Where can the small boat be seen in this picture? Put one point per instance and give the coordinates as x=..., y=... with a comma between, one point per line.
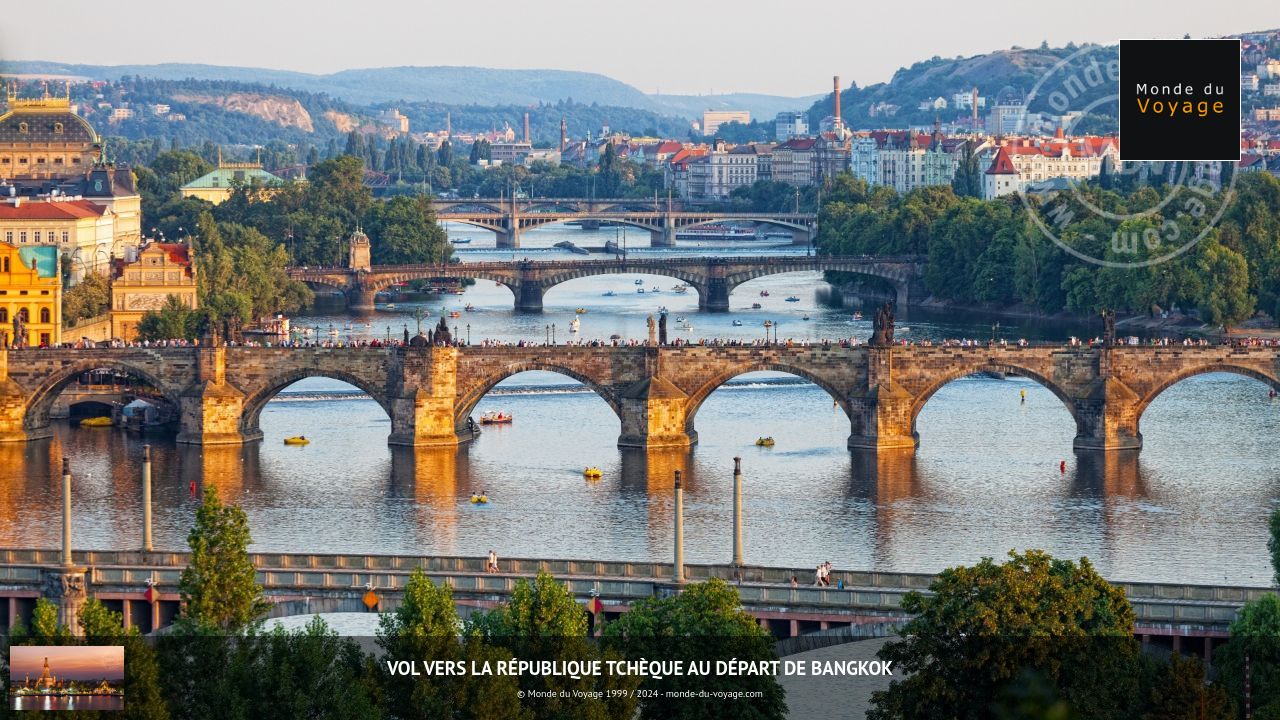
x=454, y=314
x=682, y=289
x=479, y=499
x=764, y=293
x=609, y=293
x=793, y=298
x=662, y=309
x=654, y=289
x=592, y=473
x=297, y=440
x=470, y=308
x=857, y=316
x=768, y=323
x=496, y=417
x=639, y=281
x=680, y=318
x=765, y=441
x=806, y=317
x=581, y=311
x=640, y=291
x=574, y=325
x=96, y=422
x=460, y=241
x=737, y=323
x=904, y=328
x=687, y=326
x=391, y=306
x=755, y=306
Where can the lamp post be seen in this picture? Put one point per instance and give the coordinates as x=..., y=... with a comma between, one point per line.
x=677, y=567
x=738, y=554
x=468, y=333
x=553, y=333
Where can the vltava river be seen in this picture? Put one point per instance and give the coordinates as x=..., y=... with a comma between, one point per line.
x=1191, y=508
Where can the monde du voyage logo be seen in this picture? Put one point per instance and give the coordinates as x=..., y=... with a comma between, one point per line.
x=1179, y=111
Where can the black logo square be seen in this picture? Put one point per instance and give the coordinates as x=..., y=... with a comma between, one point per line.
x=1180, y=100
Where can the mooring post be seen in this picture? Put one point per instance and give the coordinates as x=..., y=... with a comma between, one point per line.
x=146, y=499
x=66, y=512
x=737, y=513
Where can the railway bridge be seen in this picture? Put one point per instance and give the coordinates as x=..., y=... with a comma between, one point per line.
x=430, y=392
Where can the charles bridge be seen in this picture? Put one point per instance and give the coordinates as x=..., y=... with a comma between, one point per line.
x=430, y=392
x=508, y=217
x=714, y=278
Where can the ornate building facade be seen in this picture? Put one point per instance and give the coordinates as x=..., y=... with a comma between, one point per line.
x=30, y=296
x=146, y=282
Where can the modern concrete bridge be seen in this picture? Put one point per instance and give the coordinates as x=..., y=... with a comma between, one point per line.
x=656, y=392
x=869, y=603
x=509, y=217
x=712, y=277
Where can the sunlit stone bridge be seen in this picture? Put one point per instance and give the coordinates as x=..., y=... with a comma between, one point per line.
x=713, y=278
x=509, y=217
x=429, y=392
x=856, y=604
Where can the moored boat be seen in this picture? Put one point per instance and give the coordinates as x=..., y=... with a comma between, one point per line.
x=496, y=417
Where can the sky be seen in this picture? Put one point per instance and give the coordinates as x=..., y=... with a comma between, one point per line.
x=73, y=662
x=671, y=46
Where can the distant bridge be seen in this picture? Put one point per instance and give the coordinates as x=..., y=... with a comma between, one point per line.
x=507, y=218
x=713, y=278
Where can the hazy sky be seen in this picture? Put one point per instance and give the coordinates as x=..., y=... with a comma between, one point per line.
x=681, y=46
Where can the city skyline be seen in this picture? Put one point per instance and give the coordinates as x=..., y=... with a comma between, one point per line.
x=878, y=41
x=81, y=663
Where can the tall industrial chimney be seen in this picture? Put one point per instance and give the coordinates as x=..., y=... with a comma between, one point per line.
x=526, y=127
x=564, y=135
x=974, y=101
x=835, y=82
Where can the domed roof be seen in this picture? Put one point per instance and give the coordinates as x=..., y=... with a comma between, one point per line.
x=44, y=121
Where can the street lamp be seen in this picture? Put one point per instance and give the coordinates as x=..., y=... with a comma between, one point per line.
x=468, y=333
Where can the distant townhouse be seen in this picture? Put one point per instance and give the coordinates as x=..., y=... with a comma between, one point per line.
x=793, y=162
x=1249, y=82
x=713, y=119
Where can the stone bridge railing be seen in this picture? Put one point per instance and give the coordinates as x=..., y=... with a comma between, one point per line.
x=656, y=392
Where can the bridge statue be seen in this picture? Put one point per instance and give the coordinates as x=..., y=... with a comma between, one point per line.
x=662, y=329
x=882, y=326
x=653, y=331
x=1108, y=328
x=442, y=334
x=19, y=330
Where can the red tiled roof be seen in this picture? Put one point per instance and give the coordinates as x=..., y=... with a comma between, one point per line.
x=49, y=210
x=1001, y=164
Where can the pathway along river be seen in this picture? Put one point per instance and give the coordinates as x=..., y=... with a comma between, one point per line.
x=1191, y=508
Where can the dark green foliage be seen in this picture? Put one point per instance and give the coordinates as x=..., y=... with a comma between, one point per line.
x=219, y=586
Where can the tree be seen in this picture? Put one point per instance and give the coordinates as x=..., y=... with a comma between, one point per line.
x=542, y=621
x=1273, y=543
x=142, y=687
x=87, y=299
x=1225, y=299
x=173, y=321
x=1180, y=691
x=987, y=625
x=404, y=230
x=704, y=622
x=219, y=586
x=1254, y=644
x=967, y=181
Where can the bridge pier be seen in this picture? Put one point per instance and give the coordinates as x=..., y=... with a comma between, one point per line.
x=13, y=404
x=653, y=416
x=882, y=419
x=509, y=237
x=529, y=297
x=1107, y=417
x=664, y=237
x=210, y=411
x=714, y=296
x=802, y=237
x=359, y=298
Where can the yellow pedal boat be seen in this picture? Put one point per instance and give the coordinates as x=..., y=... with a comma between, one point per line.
x=297, y=440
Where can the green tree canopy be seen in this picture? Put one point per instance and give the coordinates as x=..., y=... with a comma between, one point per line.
x=219, y=586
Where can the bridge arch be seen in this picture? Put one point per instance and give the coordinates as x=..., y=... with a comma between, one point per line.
x=1205, y=369
x=472, y=396
x=699, y=396
x=41, y=400
x=256, y=400
x=922, y=397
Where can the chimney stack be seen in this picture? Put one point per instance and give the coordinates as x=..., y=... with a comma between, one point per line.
x=835, y=82
x=563, y=135
x=526, y=127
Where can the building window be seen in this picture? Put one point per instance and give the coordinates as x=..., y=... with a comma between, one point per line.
x=44, y=338
x=57, y=128
x=22, y=127
x=8, y=236
x=4, y=314
x=37, y=238
x=66, y=237
x=44, y=315
x=22, y=236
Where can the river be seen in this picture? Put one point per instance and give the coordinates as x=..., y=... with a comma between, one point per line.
x=1192, y=507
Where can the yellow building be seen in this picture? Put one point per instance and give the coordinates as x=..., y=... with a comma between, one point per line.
x=218, y=185
x=49, y=152
x=145, y=283
x=30, y=296
x=40, y=138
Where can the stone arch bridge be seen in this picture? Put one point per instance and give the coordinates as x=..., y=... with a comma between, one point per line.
x=713, y=278
x=429, y=392
x=508, y=218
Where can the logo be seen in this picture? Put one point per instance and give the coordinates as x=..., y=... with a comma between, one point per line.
x=1119, y=213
